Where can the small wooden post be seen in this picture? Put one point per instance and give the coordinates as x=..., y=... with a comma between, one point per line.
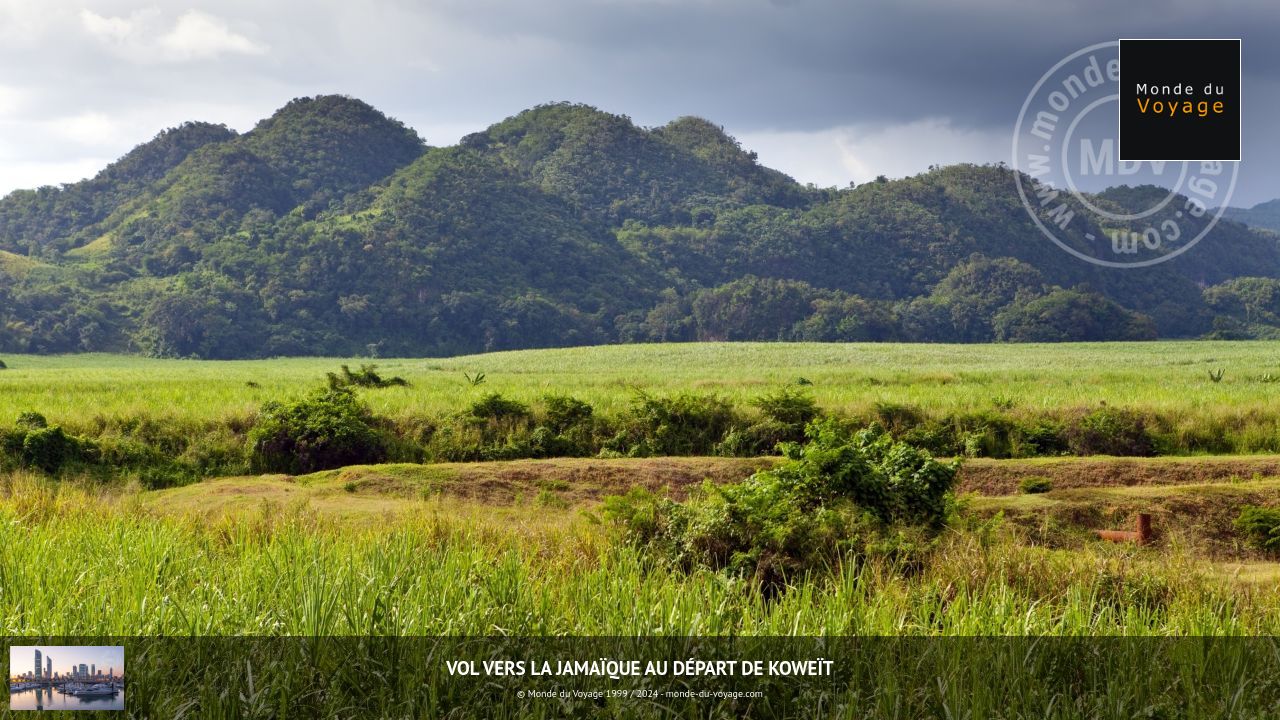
x=1144, y=528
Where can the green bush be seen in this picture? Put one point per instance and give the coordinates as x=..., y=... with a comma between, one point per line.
x=985, y=434
x=898, y=417
x=50, y=448
x=32, y=420
x=565, y=413
x=11, y=446
x=366, y=377
x=840, y=492
x=328, y=429
x=1109, y=431
x=684, y=424
x=785, y=415
x=1042, y=436
x=495, y=407
x=788, y=406
x=495, y=428
x=761, y=438
x=34, y=443
x=1035, y=484
x=1260, y=527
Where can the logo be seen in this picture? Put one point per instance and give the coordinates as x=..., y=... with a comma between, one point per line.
x=1180, y=100
x=1101, y=209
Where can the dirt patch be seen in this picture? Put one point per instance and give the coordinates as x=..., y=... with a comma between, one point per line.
x=1198, y=519
x=583, y=480
x=1001, y=477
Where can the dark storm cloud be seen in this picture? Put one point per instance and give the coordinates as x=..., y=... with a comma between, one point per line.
x=86, y=80
x=810, y=65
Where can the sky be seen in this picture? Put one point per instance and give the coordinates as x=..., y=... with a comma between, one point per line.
x=829, y=91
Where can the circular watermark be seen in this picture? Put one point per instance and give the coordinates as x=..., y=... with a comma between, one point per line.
x=1083, y=197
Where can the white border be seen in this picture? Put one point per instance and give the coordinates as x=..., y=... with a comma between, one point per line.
x=1240, y=91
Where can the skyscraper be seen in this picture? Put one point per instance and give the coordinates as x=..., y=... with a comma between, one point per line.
x=38, y=665
x=48, y=675
x=93, y=671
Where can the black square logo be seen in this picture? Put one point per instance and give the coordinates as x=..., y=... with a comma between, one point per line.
x=1179, y=100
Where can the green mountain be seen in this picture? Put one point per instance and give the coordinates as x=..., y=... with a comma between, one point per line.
x=331, y=229
x=31, y=220
x=1264, y=215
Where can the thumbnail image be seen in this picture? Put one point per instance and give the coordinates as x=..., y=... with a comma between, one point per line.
x=66, y=677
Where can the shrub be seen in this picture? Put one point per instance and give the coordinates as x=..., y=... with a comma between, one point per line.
x=785, y=415
x=1109, y=431
x=495, y=407
x=898, y=417
x=49, y=448
x=492, y=428
x=760, y=438
x=1260, y=527
x=11, y=446
x=544, y=442
x=837, y=493
x=788, y=406
x=1003, y=402
x=3, y=366
x=166, y=475
x=1043, y=436
x=366, y=376
x=565, y=413
x=936, y=436
x=684, y=424
x=32, y=420
x=984, y=434
x=1035, y=484
x=327, y=429
x=549, y=499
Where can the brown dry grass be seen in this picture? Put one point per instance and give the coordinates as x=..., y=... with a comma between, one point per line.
x=358, y=490
x=1001, y=477
x=1194, y=518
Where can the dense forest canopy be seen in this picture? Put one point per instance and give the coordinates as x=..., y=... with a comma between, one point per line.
x=332, y=229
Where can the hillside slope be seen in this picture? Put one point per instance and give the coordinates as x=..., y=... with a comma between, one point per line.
x=1264, y=215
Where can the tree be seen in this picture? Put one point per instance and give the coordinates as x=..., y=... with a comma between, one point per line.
x=1071, y=315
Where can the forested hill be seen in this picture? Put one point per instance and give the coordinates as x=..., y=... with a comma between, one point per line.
x=1263, y=215
x=331, y=229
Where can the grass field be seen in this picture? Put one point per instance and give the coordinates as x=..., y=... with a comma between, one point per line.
x=301, y=563
x=274, y=556
x=520, y=548
x=1171, y=377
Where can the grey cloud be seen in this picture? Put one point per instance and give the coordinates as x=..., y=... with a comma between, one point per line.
x=753, y=65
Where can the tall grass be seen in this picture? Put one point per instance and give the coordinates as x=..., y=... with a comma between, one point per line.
x=74, y=561
x=1165, y=376
x=198, y=411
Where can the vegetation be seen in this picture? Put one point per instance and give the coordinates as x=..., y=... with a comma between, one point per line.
x=856, y=530
x=366, y=377
x=330, y=229
x=165, y=566
x=1263, y=215
x=1261, y=527
x=169, y=422
x=1035, y=484
x=836, y=496
x=324, y=430
x=175, y=569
